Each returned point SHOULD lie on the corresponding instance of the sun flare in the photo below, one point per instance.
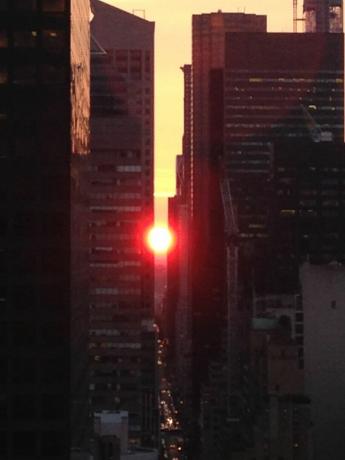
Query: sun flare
(160, 239)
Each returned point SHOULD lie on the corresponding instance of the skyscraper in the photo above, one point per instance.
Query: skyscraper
(263, 90)
(44, 124)
(122, 331)
(208, 53)
(207, 257)
(294, 91)
(292, 94)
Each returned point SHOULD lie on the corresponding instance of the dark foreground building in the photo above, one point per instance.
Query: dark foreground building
(44, 126)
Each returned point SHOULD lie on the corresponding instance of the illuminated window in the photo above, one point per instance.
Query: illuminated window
(53, 6)
(287, 212)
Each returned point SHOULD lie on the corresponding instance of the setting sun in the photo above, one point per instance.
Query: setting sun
(160, 239)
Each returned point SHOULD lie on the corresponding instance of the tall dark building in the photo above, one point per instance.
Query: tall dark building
(283, 140)
(208, 53)
(122, 330)
(266, 94)
(295, 92)
(44, 125)
(323, 15)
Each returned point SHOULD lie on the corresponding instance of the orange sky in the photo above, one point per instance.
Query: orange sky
(173, 49)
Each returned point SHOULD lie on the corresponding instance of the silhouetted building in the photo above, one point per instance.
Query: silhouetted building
(44, 126)
(307, 211)
(282, 145)
(179, 307)
(122, 331)
(270, 90)
(207, 248)
(323, 15)
(276, 86)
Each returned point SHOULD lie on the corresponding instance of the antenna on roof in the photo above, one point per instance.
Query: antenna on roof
(142, 13)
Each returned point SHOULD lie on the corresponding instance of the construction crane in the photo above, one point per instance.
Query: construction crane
(316, 133)
(296, 19)
(231, 227)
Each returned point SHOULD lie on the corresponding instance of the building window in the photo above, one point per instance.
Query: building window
(24, 445)
(23, 407)
(129, 168)
(53, 444)
(3, 74)
(53, 39)
(24, 371)
(53, 6)
(24, 38)
(24, 74)
(3, 39)
(25, 5)
(53, 74)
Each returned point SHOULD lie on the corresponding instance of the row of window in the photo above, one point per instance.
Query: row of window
(110, 223)
(130, 345)
(122, 264)
(50, 39)
(129, 168)
(114, 291)
(106, 332)
(47, 6)
(114, 196)
(110, 237)
(277, 89)
(115, 208)
(114, 181)
(27, 74)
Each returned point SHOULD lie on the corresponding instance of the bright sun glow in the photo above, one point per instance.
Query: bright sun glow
(160, 239)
